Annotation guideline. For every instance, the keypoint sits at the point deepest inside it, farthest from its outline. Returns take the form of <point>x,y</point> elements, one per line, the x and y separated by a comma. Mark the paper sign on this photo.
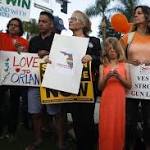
<point>64,73</point>
<point>140,76</point>
<point>19,69</point>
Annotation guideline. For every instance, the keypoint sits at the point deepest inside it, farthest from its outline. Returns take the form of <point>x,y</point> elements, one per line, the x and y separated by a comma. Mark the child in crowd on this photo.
<point>114,81</point>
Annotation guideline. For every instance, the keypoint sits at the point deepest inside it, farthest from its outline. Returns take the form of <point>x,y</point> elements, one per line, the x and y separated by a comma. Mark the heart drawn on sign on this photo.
<point>17,69</point>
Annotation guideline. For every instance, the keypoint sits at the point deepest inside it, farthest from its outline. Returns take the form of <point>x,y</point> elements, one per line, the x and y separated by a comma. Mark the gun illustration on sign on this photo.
<point>69,59</point>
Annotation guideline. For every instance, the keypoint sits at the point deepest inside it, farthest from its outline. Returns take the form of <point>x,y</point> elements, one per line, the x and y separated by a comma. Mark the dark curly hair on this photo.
<point>21,31</point>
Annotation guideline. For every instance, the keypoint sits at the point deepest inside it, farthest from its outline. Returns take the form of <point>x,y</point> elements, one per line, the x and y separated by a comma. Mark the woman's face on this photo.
<point>75,22</point>
<point>139,17</point>
<point>13,28</point>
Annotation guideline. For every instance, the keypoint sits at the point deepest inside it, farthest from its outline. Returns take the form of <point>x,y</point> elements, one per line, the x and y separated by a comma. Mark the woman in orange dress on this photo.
<point>114,80</point>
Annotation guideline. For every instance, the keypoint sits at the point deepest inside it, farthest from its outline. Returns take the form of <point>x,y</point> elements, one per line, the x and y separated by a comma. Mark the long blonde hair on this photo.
<point>116,46</point>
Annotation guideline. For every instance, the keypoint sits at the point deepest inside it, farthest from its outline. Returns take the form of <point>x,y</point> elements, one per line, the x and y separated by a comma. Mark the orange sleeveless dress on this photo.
<point>112,112</point>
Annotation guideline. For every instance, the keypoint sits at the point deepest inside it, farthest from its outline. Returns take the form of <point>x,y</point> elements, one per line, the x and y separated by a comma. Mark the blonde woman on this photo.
<point>82,113</point>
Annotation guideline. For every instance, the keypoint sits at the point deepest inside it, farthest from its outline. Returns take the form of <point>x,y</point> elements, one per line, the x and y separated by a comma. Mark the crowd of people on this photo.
<point>111,76</point>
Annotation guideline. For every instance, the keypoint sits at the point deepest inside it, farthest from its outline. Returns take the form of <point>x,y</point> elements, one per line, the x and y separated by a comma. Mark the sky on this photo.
<point>82,5</point>
<point>73,5</point>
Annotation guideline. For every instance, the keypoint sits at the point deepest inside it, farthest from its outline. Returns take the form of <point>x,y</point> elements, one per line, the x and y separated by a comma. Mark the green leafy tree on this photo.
<point>128,7</point>
<point>110,32</point>
<point>31,27</point>
<point>100,8</point>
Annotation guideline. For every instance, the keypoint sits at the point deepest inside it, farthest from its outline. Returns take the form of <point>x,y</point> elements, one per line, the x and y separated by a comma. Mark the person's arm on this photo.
<point>21,44</point>
<point>126,82</point>
<point>123,41</point>
<point>93,52</point>
<point>42,53</point>
<point>46,59</point>
<point>86,59</point>
<point>103,79</point>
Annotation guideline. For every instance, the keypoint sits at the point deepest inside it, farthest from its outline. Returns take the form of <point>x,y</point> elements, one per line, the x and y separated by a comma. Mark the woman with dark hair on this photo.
<point>138,54</point>
<point>13,42</point>
<point>20,25</point>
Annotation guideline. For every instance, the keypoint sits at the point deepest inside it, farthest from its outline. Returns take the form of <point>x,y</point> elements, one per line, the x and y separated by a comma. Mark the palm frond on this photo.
<point>92,11</point>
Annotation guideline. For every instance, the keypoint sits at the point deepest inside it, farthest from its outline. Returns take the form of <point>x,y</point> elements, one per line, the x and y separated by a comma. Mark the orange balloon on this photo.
<point>120,23</point>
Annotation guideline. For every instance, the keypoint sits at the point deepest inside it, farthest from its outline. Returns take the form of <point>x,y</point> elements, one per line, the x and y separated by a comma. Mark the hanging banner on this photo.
<point>140,76</point>
<point>86,95</point>
<point>15,8</point>
<point>19,69</point>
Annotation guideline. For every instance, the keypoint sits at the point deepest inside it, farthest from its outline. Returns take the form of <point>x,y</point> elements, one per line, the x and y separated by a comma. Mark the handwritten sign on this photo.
<point>15,8</point>
<point>140,76</point>
<point>19,69</point>
<point>50,96</point>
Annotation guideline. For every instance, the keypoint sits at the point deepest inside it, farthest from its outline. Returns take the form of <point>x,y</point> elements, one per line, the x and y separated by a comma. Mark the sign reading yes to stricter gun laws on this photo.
<point>140,76</point>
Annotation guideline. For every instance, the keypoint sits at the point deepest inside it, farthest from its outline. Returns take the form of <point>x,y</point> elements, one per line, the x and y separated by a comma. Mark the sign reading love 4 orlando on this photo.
<point>15,8</point>
<point>19,69</point>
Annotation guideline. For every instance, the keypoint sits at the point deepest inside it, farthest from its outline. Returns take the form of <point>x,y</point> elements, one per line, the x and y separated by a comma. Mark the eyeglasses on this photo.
<point>73,19</point>
<point>15,25</point>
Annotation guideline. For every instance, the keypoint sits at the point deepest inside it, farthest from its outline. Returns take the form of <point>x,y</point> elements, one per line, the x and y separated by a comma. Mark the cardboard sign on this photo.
<point>19,69</point>
<point>15,8</point>
<point>50,96</point>
<point>140,76</point>
<point>66,55</point>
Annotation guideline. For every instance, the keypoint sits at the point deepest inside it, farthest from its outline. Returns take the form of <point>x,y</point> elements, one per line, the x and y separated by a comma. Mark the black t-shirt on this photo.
<point>37,43</point>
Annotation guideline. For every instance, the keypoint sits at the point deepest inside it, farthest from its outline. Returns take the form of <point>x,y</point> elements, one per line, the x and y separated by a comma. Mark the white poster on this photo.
<point>15,8</point>
<point>140,76</point>
<point>64,73</point>
<point>19,69</point>
<point>46,1</point>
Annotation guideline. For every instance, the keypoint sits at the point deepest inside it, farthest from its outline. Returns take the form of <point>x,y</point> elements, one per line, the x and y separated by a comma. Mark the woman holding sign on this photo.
<point>138,54</point>
<point>13,41</point>
<point>82,113</point>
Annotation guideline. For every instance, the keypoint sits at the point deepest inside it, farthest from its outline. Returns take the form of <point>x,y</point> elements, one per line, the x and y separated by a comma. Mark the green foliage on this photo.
<point>110,32</point>
<point>31,27</point>
<point>101,9</point>
<point>128,8</point>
